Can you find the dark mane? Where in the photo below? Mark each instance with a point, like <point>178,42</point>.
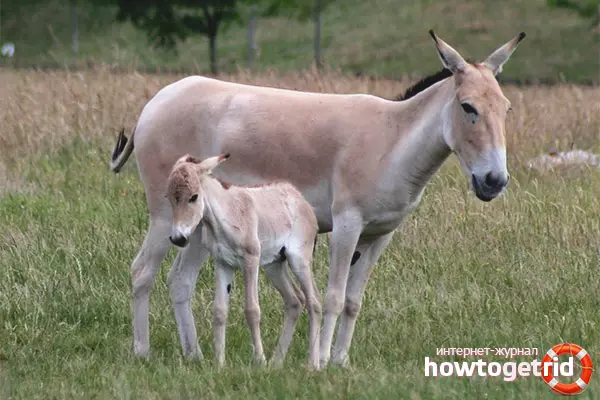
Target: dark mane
<point>424,84</point>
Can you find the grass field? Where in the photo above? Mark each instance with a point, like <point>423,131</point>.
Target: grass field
<point>521,271</point>
<point>377,38</point>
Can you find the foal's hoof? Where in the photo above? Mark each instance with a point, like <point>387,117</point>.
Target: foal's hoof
<point>260,361</point>
<point>314,366</point>
<point>142,353</point>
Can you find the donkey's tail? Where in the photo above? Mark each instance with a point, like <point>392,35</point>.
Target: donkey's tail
<point>122,151</point>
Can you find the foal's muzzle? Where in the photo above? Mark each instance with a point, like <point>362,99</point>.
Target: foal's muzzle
<point>489,186</point>
<point>179,241</point>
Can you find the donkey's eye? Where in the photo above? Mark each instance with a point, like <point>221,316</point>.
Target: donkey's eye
<point>193,198</point>
<point>469,109</point>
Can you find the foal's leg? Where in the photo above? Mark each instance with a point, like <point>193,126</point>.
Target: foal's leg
<point>300,264</point>
<point>347,227</point>
<point>143,272</point>
<point>278,275</point>
<point>182,283</point>
<point>250,269</point>
<point>368,254</point>
<point>224,277</point>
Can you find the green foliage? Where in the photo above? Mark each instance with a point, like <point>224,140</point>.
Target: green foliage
<point>584,8</point>
<point>302,10</point>
<point>376,38</point>
<point>166,22</point>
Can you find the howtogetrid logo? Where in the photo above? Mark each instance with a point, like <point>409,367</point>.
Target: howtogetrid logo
<point>549,369</point>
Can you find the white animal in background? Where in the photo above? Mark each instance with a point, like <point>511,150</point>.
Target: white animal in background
<point>8,49</point>
<point>246,227</point>
<point>569,158</point>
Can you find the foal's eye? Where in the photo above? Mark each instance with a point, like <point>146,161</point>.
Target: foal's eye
<point>193,198</point>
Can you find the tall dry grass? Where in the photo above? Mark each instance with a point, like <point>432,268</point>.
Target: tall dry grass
<point>40,110</point>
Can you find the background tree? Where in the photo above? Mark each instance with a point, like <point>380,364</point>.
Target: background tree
<point>167,21</point>
<point>303,10</point>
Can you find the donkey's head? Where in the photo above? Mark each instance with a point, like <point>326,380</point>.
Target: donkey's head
<point>475,124</point>
<point>186,195</point>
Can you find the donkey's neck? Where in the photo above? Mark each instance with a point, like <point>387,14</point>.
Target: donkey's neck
<point>421,149</point>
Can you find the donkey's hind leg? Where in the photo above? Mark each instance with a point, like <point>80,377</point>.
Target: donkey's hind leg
<point>277,273</point>
<point>143,272</point>
<point>300,263</point>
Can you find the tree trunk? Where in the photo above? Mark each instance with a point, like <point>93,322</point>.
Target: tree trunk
<point>251,44</point>
<point>318,61</point>
<point>212,46</point>
<point>75,32</point>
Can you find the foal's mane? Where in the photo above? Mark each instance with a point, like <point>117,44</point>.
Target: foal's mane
<point>226,185</point>
<point>424,84</point>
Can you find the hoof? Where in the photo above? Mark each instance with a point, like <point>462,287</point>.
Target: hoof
<point>342,362</point>
<point>194,355</point>
<point>260,360</point>
<point>316,366</point>
<point>275,363</point>
<point>141,352</point>
<point>323,363</point>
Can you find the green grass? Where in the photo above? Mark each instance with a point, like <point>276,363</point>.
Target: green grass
<point>380,37</point>
<point>519,272</point>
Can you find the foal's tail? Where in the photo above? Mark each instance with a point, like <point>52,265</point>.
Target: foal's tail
<point>122,151</point>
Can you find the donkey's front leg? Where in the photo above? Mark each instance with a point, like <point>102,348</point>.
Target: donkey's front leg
<point>143,273</point>
<point>250,269</point>
<point>347,227</point>
<point>366,256</point>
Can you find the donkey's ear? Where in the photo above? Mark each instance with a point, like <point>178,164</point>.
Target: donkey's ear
<point>206,166</point>
<point>496,60</point>
<point>450,57</point>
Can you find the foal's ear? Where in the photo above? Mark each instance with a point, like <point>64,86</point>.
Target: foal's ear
<point>192,159</point>
<point>450,57</point>
<point>496,60</point>
<point>206,166</point>
<point>188,158</point>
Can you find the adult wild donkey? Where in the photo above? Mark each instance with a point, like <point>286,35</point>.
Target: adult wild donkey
<point>361,161</point>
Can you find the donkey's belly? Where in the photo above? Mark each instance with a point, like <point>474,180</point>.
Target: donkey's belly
<point>386,222</point>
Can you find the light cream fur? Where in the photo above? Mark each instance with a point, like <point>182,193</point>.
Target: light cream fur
<point>361,161</point>
<point>248,228</point>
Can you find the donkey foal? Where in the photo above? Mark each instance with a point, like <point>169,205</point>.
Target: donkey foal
<point>248,227</point>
